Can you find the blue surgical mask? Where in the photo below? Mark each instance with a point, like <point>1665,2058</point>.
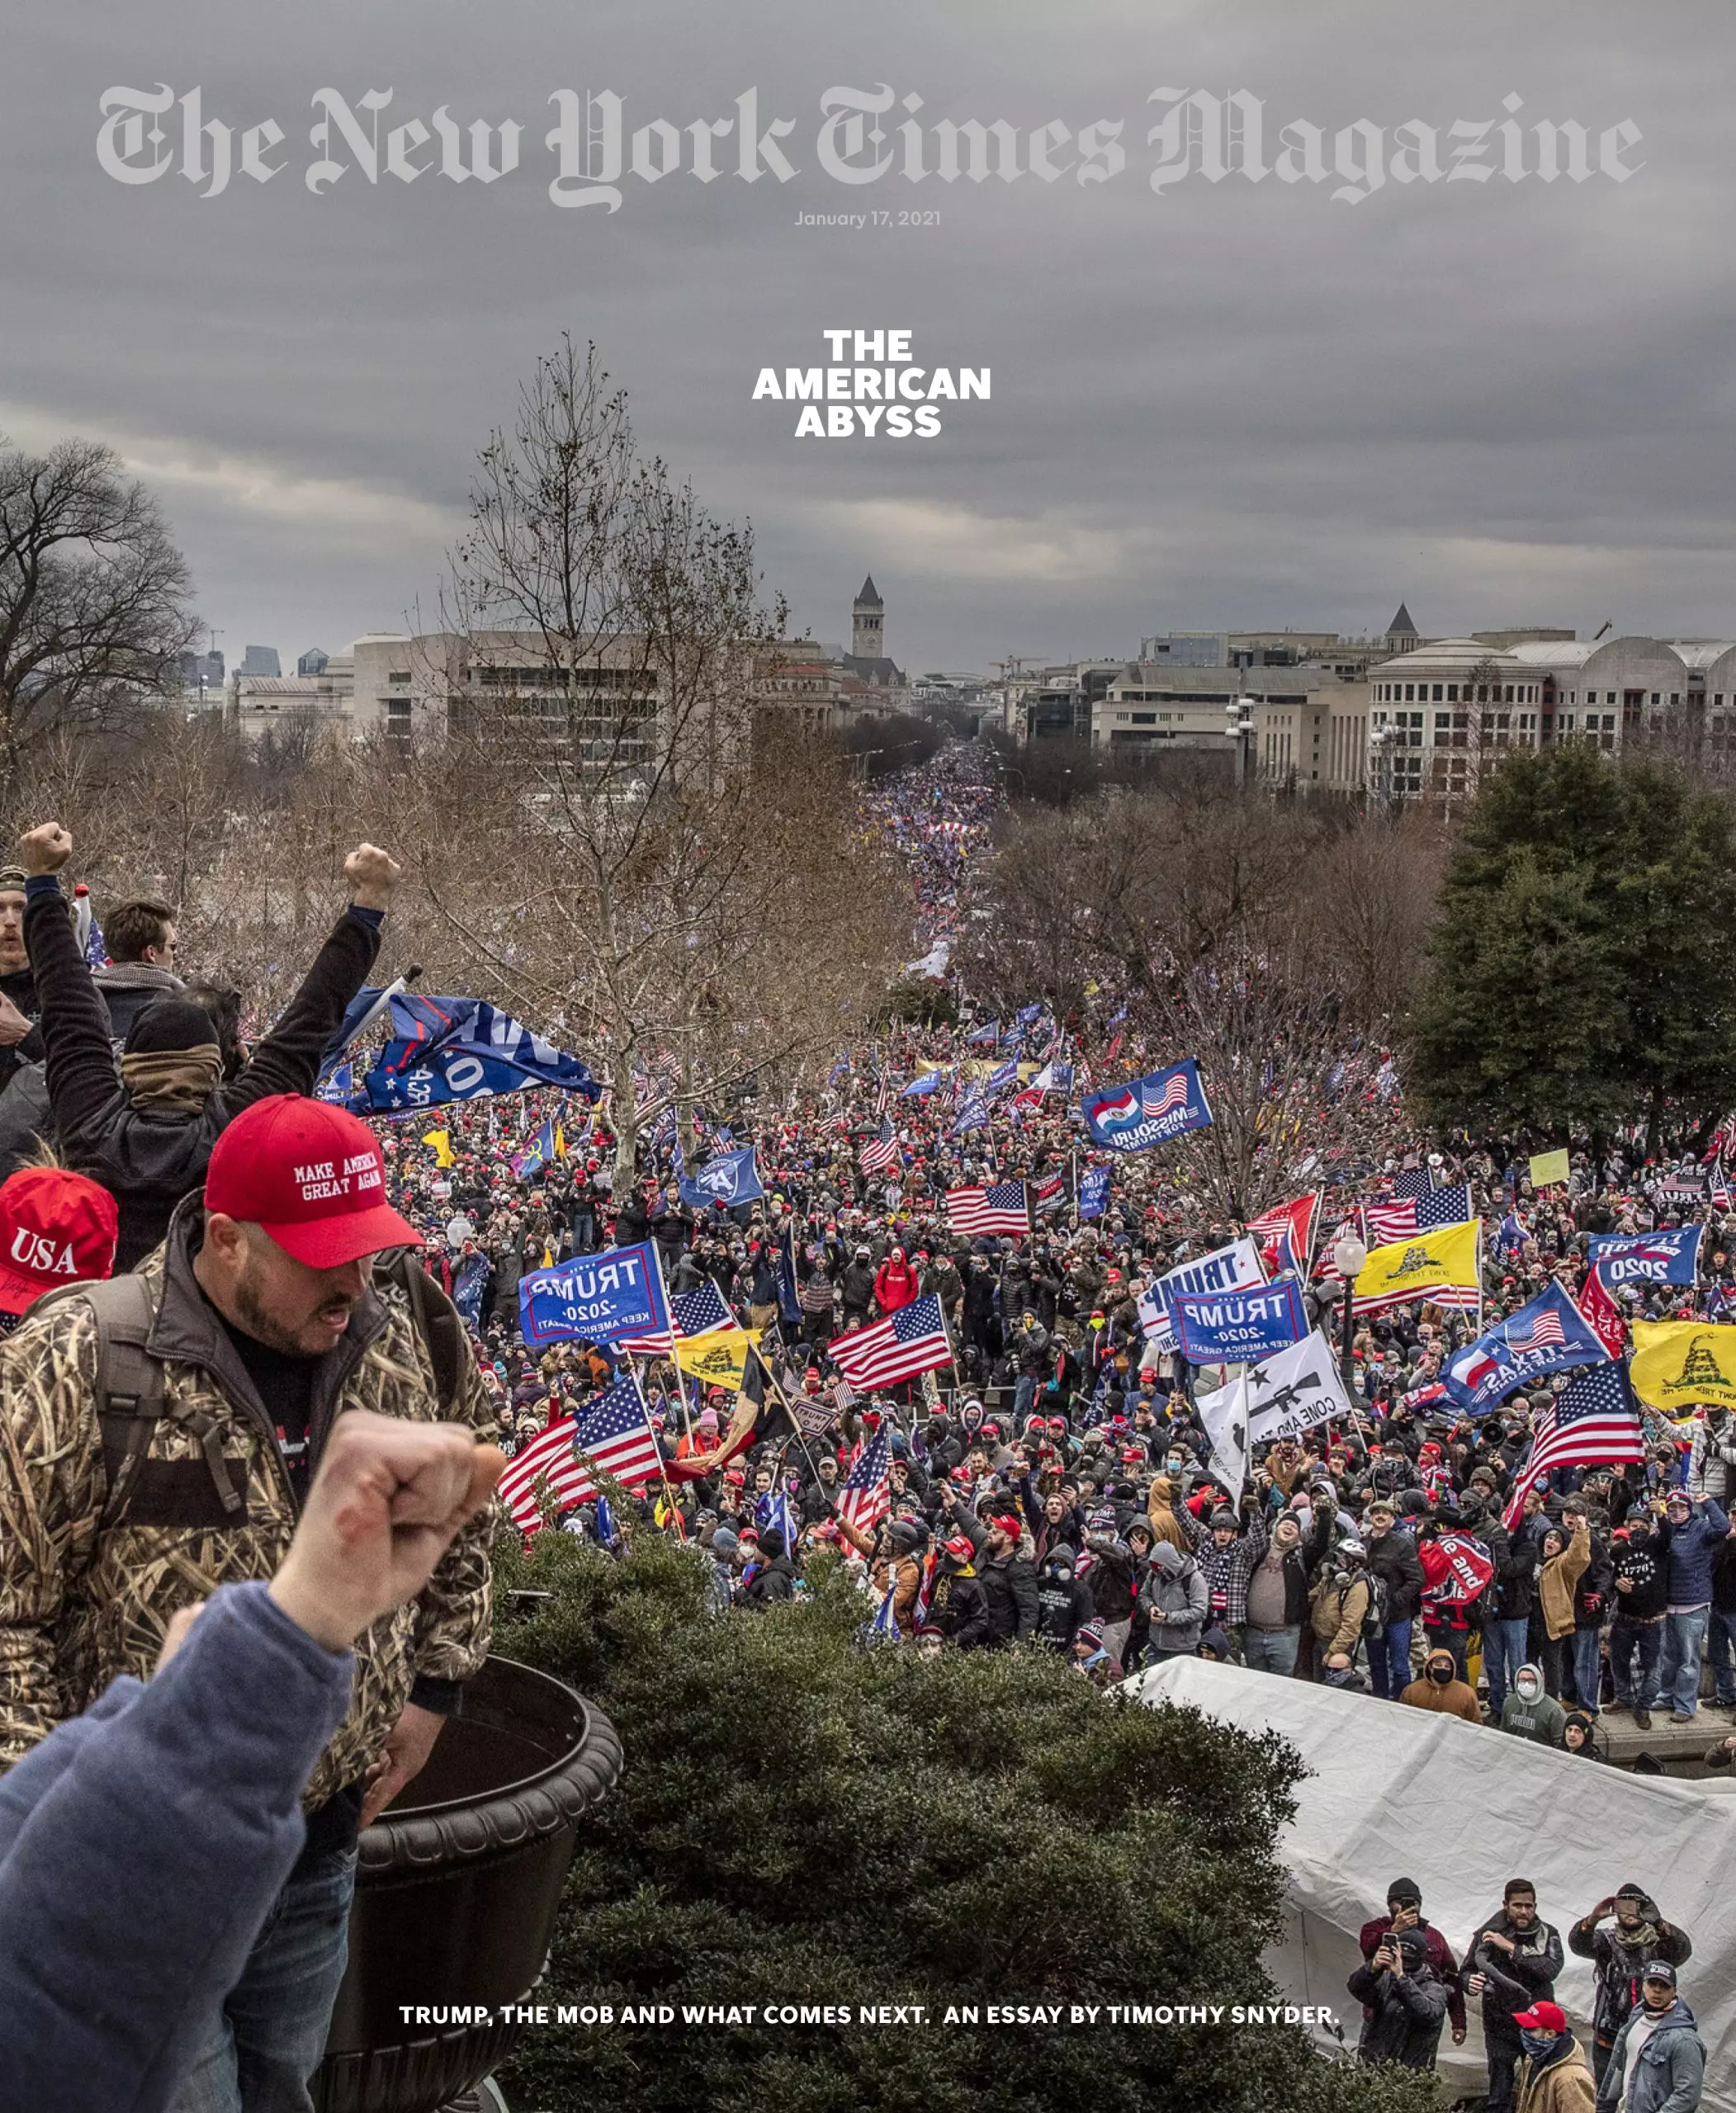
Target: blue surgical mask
<point>1538,2042</point>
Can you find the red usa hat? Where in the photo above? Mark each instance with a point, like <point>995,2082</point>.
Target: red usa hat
<point>55,1228</point>
<point>310,1176</point>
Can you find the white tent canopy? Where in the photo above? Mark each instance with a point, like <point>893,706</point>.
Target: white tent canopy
<point>1407,1793</point>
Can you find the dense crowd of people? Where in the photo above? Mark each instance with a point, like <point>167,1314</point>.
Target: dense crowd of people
<point>1052,1486</point>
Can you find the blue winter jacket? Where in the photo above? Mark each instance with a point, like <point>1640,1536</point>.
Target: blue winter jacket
<point>1692,1546</point>
<point>141,1847</point>
<point>1670,2070</point>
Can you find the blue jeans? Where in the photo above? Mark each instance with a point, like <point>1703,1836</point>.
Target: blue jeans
<point>1503,1653</point>
<point>266,2041</point>
<point>1678,1674</point>
<point>1587,1669</point>
<point>1025,1395</point>
<point>1721,1643</point>
<point>1389,1659</point>
<point>1628,1639</point>
<point>1270,1650</point>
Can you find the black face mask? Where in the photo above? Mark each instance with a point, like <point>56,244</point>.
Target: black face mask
<point>1440,1674</point>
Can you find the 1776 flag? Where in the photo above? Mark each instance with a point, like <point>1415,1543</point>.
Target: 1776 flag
<point>913,1340</point>
<point>1001,1208</point>
<point>1593,1422</point>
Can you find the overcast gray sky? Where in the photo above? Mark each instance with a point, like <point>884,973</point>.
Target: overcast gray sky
<point>1229,404</point>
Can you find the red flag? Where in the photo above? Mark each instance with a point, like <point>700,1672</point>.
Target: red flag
<point>1602,1314</point>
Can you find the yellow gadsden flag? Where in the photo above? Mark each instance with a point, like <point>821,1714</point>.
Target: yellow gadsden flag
<point>441,1142</point>
<point>1678,1365</point>
<point>718,1357</point>
<point>1443,1265</point>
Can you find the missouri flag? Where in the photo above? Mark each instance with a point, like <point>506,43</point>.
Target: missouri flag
<point>720,1357</point>
<point>1679,1364</point>
<point>1444,1265</point>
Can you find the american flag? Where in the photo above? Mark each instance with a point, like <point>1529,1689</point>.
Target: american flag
<point>1542,1328</point>
<point>1002,1208</point>
<point>1590,1423</point>
<point>913,1340</point>
<point>882,1155</point>
<point>695,1313</point>
<point>864,1497</point>
<point>1173,1094</point>
<point>1414,1182</point>
<point>1404,1219</point>
<point>613,1431</point>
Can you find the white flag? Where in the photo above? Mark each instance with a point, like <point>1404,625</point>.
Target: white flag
<point>1225,1415</point>
<point>1293,1389</point>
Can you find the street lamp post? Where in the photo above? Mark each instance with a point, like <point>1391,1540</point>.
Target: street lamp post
<point>1349,1254</point>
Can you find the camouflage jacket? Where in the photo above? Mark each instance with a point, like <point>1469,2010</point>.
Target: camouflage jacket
<point>80,1603</point>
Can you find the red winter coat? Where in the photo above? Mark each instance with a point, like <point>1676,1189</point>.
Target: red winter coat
<point>895,1285</point>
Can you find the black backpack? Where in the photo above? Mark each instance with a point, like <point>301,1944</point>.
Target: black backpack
<point>131,1398</point>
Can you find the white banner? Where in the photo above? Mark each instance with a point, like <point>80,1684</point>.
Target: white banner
<point>1235,1268</point>
<point>1290,1392</point>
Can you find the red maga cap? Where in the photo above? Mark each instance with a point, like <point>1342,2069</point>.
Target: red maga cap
<point>55,1228</point>
<point>310,1176</point>
<point>1541,2017</point>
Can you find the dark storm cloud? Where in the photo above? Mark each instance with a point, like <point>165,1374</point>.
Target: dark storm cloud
<point>1231,403</point>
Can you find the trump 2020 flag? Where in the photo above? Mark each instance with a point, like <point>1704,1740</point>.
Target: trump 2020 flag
<point>445,1049</point>
<point>595,1298</point>
<point>1094,1192</point>
<point>1550,1334</point>
<point>1659,1257</point>
<point>1233,1327</point>
<point>1147,1111</point>
<point>726,1179</point>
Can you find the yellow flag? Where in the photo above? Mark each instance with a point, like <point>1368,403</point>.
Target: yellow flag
<point>1550,1167</point>
<point>1679,1364</point>
<point>1443,1265</point>
<point>718,1357</point>
<point>561,1142</point>
<point>441,1142</point>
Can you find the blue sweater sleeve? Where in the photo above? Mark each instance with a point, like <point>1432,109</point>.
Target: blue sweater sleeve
<point>141,1846</point>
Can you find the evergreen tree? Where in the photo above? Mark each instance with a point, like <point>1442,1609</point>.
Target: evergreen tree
<point>1582,974</point>
<point>804,1819</point>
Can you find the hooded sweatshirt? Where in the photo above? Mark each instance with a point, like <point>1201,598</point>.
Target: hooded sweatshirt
<point>1450,1698</point>
<point>1174,1597</point>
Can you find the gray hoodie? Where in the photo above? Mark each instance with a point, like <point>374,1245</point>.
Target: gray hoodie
<point>1174,1595</point>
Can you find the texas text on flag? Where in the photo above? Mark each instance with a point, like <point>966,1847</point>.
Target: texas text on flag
<point>864,1496</point>
<point>1000,1209</point>
<point>1593,1422</point>
<point>913,1340</point>
<point>1549,1334</point>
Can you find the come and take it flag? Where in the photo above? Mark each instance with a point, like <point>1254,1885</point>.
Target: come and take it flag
<point>1001,1209</point>
<point>1147,1111</point>
<point>1680,1365</point>
<point>1549,1334</point>
<point>1295,1390</point>
<point>1443,1266</point>
<point>1591,1422</point>
<point>913,1340</point>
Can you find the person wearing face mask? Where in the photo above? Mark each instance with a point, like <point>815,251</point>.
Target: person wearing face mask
<point>1441,1690</point>
<point>1511,1964</point>
<point>1620,1956</point>
<point>1657,2064</point>
<point>1551,2077</point>
<point>1530,1712</point>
